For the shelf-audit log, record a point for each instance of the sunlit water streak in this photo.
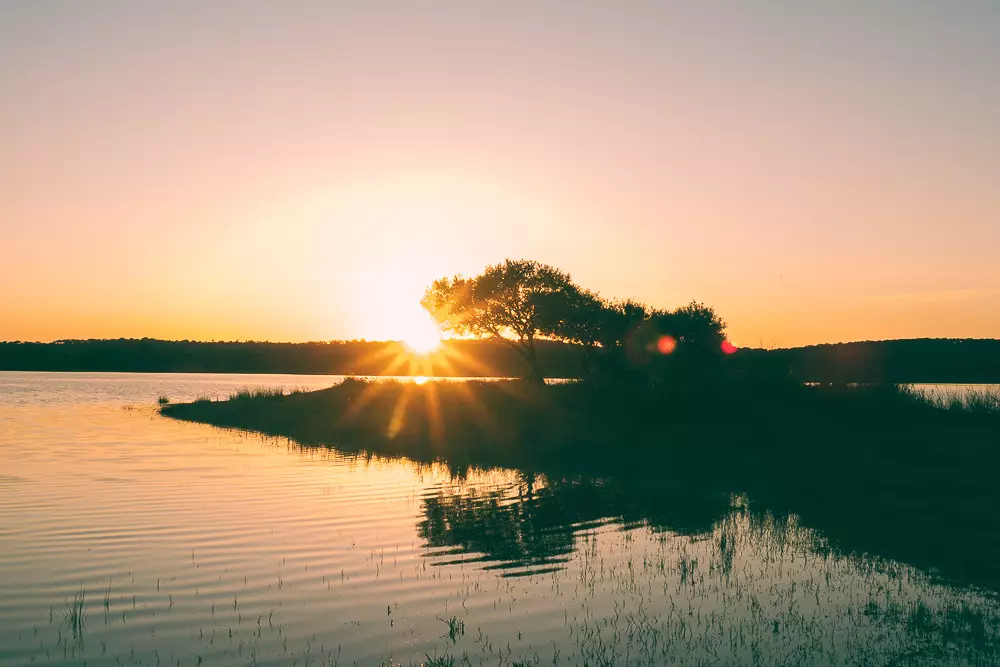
(126, 537)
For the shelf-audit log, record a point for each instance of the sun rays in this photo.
(414, 390)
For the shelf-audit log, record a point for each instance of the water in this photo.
(128, 538)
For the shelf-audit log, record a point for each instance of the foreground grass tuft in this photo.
(976, 401)
(256, 393)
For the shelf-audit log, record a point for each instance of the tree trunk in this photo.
(526, 348)
(535, 373)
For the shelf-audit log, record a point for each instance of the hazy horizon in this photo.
(302, 171)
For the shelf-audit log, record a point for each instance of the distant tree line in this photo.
(894, 361)
(523, 318)
(457, 358)
(918, 360)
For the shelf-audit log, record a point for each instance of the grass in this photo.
(76, 614)
(976, 401)
(878, 468)
(456, 628)
(515, 424)
(241, 396)
(256, 393)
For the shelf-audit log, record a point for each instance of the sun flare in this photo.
(423, 336)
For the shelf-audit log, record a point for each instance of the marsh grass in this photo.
(76, 614)
(456, 628)
(263, 393)
(518, 424)
(974, 401)
(256, 393)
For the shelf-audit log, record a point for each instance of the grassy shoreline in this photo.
(881, 469)
(516, 424)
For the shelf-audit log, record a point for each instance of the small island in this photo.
(662, 400)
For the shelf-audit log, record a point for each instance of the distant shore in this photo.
(899, 361)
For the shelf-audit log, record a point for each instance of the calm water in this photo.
(128, 538)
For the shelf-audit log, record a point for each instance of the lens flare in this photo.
(666, 344)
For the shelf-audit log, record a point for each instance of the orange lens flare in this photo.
(666, 344)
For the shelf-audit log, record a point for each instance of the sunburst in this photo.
(404, 360)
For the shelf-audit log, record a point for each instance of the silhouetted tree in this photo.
(520, 301)
(604, 328)
(598, 322)
(517, 302)
(627, 341)
(694, 327)
(684, 343)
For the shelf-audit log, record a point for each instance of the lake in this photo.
(130, 538)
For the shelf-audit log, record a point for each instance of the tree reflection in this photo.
(533, 522)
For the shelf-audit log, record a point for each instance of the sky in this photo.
(816, 171)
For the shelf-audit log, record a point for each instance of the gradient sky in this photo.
(818, 172)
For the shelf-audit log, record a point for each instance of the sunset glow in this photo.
(463, 333)
(301, 172)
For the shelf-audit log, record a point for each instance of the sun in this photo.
(422, 335)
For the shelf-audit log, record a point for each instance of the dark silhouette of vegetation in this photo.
(515, 303)
(457, 358)
(664, 391)
(927, 360)
(626, 341)
(519, 302)
(895, 361)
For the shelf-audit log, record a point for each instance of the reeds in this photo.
(76, 613)
(256, 393)
(456, 628)
(973, 401)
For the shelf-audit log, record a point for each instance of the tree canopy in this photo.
(520, 301)
(516, 301)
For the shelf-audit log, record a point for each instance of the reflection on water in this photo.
(129, 538)
(529, 524)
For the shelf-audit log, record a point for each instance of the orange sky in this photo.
(302, 170)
